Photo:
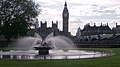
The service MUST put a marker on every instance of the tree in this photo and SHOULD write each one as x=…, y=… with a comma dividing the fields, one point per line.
x=16, y=17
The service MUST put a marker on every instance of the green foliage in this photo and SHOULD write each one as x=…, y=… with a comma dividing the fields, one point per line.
x=16, y=17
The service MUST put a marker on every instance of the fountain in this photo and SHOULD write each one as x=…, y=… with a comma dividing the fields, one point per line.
x=50, y=42
x=43, y=45
x=58, y=47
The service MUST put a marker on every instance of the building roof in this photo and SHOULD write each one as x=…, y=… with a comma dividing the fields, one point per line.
x=88, y=27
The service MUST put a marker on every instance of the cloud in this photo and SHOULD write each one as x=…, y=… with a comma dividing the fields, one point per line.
x=98, y=11
x=101, y=12
x=105, y=11
x=103, y=16
x=109, y=11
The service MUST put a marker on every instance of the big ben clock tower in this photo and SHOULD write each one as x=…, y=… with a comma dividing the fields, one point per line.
x=65, y=16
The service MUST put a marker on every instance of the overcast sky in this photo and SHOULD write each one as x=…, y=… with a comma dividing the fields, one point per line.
x=81, y=12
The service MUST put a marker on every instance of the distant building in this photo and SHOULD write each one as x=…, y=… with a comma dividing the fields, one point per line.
x=96, y=30
x=102, y=31
x=78, y=34
x=44, y=30
x=100, y=36
x=117, y=29
x=65, y=16
x=36, y=23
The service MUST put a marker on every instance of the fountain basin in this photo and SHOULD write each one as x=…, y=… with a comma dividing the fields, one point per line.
x=53, y=54
x=43, y=50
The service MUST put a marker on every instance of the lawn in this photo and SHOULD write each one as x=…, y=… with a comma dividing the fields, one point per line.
x=113, y=61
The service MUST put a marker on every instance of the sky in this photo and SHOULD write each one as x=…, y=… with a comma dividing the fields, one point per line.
x=81, y=12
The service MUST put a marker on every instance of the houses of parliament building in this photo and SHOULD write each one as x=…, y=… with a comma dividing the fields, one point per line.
x=44, y=30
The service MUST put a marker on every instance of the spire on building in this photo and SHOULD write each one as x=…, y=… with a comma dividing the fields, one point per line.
x=116, y=24
x=101, y=24
x=65, y=4
x=94, y=25
x=57, y=22
x=107, y=24
x=36, y=23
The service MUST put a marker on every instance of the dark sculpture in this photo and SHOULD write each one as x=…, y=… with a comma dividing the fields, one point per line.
x=43, y=49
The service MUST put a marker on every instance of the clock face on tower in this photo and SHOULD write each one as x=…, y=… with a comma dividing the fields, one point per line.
x=65, y=15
